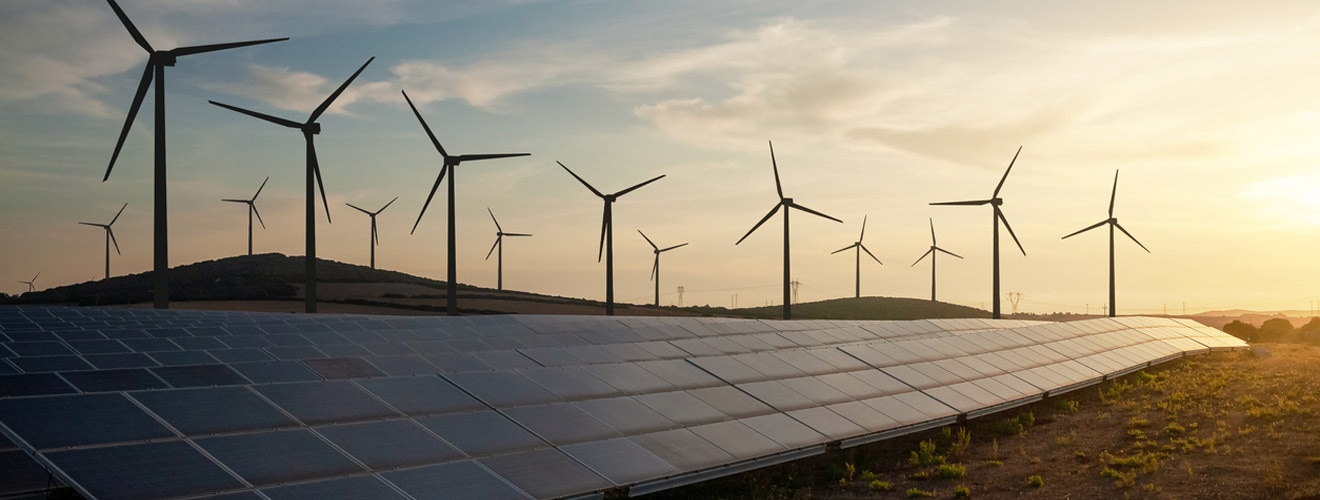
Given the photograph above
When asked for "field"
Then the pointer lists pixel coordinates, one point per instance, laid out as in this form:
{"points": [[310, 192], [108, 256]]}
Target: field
{"points": [[1225, 425]]}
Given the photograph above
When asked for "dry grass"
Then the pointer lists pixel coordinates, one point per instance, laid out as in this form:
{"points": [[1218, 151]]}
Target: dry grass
{"points": [[1225, 425]]}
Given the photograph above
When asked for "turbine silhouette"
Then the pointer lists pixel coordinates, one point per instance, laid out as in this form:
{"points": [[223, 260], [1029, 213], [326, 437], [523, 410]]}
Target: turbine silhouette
{"points": [[995, 202], [109, 238], [786, 204], [859, 248], [309, 129], [1113, 223], [31, 288], [607, 234], [375, 240], [451, 163], [155, 72], [932, 253], [252, 209], [655, 268], [499, 243]]}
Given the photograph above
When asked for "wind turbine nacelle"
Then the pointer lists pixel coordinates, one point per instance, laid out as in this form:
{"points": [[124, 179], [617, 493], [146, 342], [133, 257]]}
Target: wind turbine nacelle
{"points": [[312, 128], [996, 201], [163, 58]]}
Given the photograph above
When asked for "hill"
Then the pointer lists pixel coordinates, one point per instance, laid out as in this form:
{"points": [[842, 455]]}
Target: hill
{"points": [[273, 282]]}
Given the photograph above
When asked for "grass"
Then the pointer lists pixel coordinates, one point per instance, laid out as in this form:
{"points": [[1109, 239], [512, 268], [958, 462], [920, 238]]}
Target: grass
{"points": [[1223, 425]]}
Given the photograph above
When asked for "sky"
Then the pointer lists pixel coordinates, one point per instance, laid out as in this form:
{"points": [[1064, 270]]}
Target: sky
{"points": [[1207, 109]]}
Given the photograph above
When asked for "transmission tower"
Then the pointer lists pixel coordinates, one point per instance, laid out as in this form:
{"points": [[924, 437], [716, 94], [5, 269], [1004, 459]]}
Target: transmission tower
{"points": [[680, 296], [1014, 298], [795, 285]]}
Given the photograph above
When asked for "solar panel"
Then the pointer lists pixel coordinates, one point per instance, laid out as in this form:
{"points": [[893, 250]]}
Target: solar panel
{"points": [[509, 406]]}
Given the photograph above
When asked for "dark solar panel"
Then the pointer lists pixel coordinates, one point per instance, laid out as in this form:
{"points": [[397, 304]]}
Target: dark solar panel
{"points": [[620, 460], [333, 368], [131, 379], [77, 420], [39, 348], [199, 375], [265, 372], [40, 364], [98, 346], [211, 410], [143, 471], [561, 423], [389, 444], [502, 388], [278, 456], [325, 402], [480, 433], [546, 473], [19, 473], [420, 395], [453, 480], [180, 358], [120, 360], [348, 488]]}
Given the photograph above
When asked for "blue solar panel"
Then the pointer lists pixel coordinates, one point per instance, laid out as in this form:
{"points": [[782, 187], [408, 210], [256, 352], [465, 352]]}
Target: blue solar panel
{"points": [[211, 410], [348, 488], [452, 480], [325, 402], [199, 375], [274, 457], [142, 471], [389, 444], [114, 380], [78, 420]]}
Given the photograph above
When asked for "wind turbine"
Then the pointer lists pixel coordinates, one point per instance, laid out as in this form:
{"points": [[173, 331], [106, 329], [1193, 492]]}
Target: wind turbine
{"points": [[375, 240], [995, 201], [499, 242], [1113, 223], [451, 163], [155, 71], [109, 238], [309, 130], [252, 209], [933, 248], [655, 268], [607, 234], [859, 247], [31, 288], [786, 204]]}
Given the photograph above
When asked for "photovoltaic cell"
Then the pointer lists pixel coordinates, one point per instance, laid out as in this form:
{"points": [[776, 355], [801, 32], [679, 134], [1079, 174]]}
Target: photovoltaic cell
{"points": [[455, 479], [420, 395], [481, 433], [77, 420], [620, 460], [265, 372], [33, 384], [278, 457], [347, 488], [325, 402], [561, 423], [545, 473], [143, 471], [114, 380], [199, 375], [389, 444], [212, 410], [335, 368]]}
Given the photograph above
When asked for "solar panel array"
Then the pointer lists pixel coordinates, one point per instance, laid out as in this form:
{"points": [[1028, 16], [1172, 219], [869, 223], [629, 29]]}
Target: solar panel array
{"points": [[132, 403]]}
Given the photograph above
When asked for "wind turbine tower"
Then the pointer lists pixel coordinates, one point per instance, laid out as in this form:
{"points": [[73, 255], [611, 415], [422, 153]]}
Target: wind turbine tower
{"points": [[109, 238], [859, 248], [655, 268], [499, 243], [932, 252], [375, 240], [1113, 223], [252, 210]]}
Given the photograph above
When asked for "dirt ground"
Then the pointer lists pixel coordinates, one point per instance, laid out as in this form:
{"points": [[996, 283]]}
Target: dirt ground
{"points": [[1225, 425]]}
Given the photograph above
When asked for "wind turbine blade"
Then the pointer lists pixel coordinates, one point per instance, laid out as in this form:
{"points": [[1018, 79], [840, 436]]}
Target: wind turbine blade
{"points": [[358, 208], [1000, 214], [1129, 235], [316, 169], [778, 187], [1085, 229], [516, 234], [758, 224], [375, 238], [426, 127], [1005, 177], [121, 212], [963, 203], [273, 119], [932, 231], [655, 267], [868, 252], [604, 225], [948, 252], [673, 247], [491, 156], [438, 178], [842, 249], [232, 200], [34, 278], [263, 186], [1113, 195], [631, 189], [326, 104], [132, 115], [387, 205], [923, 256], [862, 236], [492, 247], [584, 183], [498, 229], [111, 232], [132, 30], [198, 49], [813, 212], [253, 206], [648, 240], [89, 224]]}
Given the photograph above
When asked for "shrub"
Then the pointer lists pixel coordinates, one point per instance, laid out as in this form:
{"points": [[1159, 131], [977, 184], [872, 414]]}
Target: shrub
{"points": [[1274, 329], [1244, 331], [950, 471], [925, 455], [867, 475], [878, 485], [960, 442], [961, 491], [1036, 481], [919, 493]]}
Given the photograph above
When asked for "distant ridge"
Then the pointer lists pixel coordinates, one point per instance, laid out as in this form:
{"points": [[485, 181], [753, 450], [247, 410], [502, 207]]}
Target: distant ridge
{"points": [[882, 308]]}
